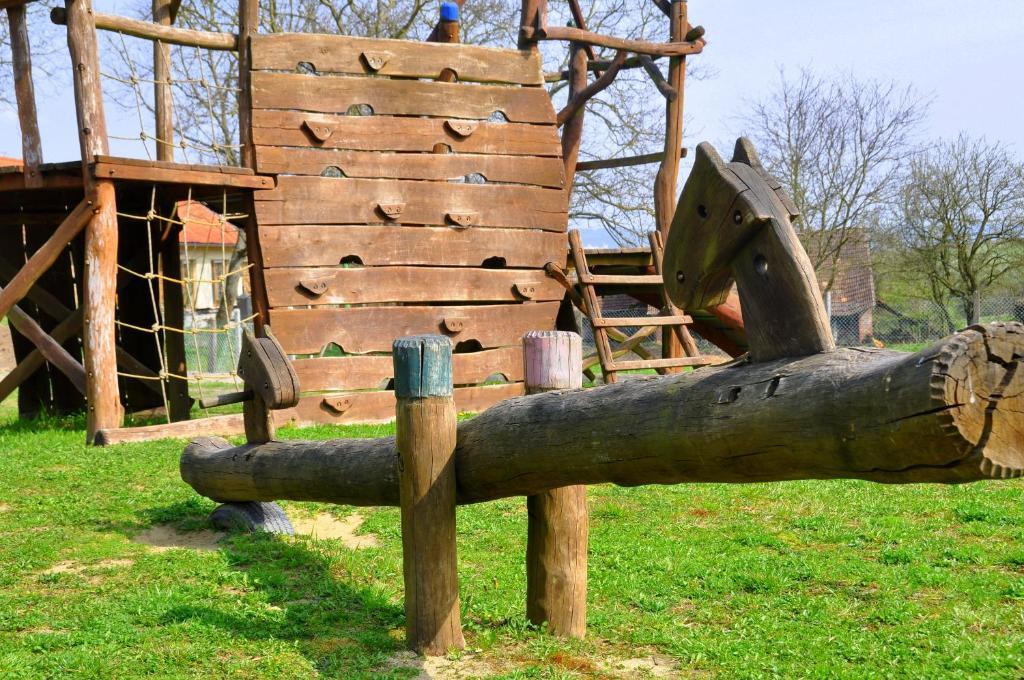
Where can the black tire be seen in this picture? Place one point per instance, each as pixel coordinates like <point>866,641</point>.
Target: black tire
<point>252,516</point>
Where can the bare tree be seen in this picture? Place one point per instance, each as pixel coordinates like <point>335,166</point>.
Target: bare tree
<point>839,147</point>
<point>961,220</point>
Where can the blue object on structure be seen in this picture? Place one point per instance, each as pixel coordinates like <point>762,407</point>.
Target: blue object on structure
<point>449,11</point>
<point>423,366</point>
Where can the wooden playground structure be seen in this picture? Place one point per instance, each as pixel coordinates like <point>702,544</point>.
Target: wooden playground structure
<point>444,210</point>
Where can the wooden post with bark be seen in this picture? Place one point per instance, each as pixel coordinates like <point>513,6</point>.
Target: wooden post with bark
<point>558,528</point>
<point>100,260</point>
<point>425,440</point>
<point>171,292</point>
<point>24,93</point>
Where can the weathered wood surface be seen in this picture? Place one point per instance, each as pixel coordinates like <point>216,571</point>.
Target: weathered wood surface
<point>950,413</point>
<point>49,347</point>
<point>400,97</point>
<point>572,130</point>
<point>328,200</point>
<point>401,58</point>
<point>101,234</point>
<point>654,49</point>
<point>359,330</point>
<point>393,133</point>
<point>300,245</point>
<point>24,93</point>
<point>224,426</point>
<point>378,406</point>
<point>538,171</point>
<point>47,254</point>
<point>425,425</point>
<point>293,286</point>
<point>734,223</point>
<point>149,31</point>
<point>558,524</point>
<point>359,372</point>
<point>169,173</point>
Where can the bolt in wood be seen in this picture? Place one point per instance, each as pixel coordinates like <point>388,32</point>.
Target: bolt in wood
<point>425,439</point>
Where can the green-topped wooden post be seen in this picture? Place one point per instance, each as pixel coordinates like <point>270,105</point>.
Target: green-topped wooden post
<point>425,439</point>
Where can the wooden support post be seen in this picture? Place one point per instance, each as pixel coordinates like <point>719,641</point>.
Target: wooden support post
<point>446,31</point>
<point>668,173</point>
<point>556,546</point>
<point>572,131</point>
<point>49,347</point>
<point>24,92</point>
<point>162,94</point>
<point>425,439</point>
<point>100,260</point>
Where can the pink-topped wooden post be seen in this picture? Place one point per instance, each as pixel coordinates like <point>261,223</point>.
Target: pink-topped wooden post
<point>556,547</point>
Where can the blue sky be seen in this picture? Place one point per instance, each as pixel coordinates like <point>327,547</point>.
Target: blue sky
<point>968,57</point>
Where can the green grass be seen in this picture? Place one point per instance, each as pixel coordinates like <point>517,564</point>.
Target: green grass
<point>805,579</point>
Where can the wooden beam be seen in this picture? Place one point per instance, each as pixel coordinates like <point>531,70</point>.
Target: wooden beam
<point>100,258</point>
<point>558,524</point>
<point>225,426</point>
<point>596,66</point>
<point>669,49</point>
<point>163,98</point>
<point>149,31</point>
<point>625,161</point>
<point>580,98</point>
<point>49,347</point>
<point>47,254</point>
<point>912,417</point>
<point>24,92</point>
<point>666,90</point>
<point>13,4</point>
<point>572,130</point>
<point>111,168</point>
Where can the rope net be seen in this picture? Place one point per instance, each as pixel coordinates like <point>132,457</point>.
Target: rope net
<point>182,303</point>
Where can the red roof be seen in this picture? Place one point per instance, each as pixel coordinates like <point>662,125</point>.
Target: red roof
<point>204,226</point>
<point>7,161</point>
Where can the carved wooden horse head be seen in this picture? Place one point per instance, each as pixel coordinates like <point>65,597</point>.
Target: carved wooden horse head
<point>734,223</point>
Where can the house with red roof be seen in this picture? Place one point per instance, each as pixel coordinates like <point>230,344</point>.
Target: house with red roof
<point>207,242</point>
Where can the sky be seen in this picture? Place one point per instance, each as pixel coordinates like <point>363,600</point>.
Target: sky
<point>967,57</point>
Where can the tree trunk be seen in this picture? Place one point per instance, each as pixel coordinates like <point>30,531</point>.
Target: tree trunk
<point>953,412</point>
<point>975,308</point>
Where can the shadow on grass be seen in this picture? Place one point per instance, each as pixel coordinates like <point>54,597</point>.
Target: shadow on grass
<point>343,629</point>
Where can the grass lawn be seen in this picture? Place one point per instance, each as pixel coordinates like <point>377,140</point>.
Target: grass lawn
<point>807,579</point>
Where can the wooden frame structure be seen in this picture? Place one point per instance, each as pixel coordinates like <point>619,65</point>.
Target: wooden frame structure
<point>96,243</point>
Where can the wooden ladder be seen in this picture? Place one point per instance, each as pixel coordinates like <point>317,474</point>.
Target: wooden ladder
<point>670,316</point>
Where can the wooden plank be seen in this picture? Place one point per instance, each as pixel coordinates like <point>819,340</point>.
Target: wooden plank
<point>368,285</point>
<point>392,133</point>
<point>627,321</point>
<point>24,92</point>
<point>654,49</point>
<point>158,174</point>
<point>224,426</point>
<point>402,58</point>
<point>379,406</point>
<point>328,200</point>
<point>547,172</point>
<point>292,246</point>
<point>621,279</point>
<point>359,372</point>
<point>399,97</point>
<point>671,362</point>
<point>171,165</point>
<point>359,330</point>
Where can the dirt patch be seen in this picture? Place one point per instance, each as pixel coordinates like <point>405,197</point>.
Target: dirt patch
<point>69,567</point>
<point>324,525</point>
<point>465,667</point>
<point>654,666</point>
<point>165,537</point>
<point>4,508</point>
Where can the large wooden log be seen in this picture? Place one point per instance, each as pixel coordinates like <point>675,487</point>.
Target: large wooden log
<point>953,412</point>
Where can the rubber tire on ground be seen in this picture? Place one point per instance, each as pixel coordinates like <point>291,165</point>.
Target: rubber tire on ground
<point>252,516</point>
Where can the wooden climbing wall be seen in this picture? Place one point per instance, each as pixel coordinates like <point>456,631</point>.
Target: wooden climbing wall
<point>404,205</point>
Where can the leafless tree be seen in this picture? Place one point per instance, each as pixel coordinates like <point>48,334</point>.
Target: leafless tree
<point>839,146</point>
<point>961,220</point>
